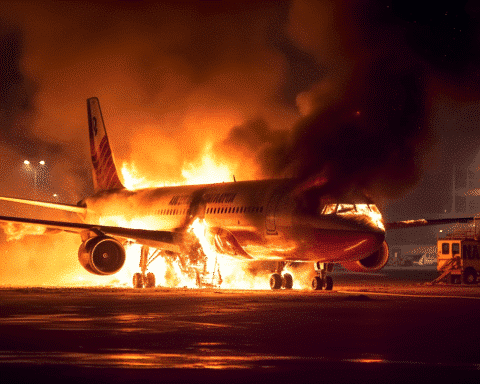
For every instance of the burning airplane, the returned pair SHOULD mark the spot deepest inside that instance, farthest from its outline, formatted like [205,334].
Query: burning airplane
[194,227]
[280,220]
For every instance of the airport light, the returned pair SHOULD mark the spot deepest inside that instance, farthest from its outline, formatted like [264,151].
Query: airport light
[33,169]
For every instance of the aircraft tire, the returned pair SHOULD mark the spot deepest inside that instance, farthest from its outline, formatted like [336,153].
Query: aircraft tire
[137,280]
[275,281]
[328,283]
[470,276]
[150,280]
[287,281]
[317,283]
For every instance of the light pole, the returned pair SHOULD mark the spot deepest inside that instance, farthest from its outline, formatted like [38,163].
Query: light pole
[34,169]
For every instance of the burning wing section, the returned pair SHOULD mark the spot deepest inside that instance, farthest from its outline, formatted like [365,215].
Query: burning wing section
[101,252]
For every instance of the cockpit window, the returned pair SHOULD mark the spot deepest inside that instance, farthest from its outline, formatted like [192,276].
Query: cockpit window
[345,208]
[329,209]
[358,209]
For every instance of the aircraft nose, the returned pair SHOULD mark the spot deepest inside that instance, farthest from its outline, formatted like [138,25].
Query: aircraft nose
[355,223]
[340,238]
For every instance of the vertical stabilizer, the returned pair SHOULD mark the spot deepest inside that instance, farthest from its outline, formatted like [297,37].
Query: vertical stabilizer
[105,175]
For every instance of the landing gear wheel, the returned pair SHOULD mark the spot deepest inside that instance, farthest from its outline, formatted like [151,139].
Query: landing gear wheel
[150,280]
[317,283]
[275,281]
[328,283]
[137,280]
[470,276]
[287,281]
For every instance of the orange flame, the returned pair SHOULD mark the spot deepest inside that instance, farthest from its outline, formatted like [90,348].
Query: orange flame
[206,170]
[16,231]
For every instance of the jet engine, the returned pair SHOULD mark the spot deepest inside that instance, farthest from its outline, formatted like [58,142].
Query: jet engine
[101,255]
[372,263]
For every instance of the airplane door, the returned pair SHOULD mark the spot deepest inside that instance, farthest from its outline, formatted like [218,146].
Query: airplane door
[270,212]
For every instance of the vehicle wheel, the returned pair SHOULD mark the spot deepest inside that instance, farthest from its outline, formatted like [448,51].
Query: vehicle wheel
[470,276]
[328,283]
[275,281]
[150,283]
[287,281]
[454,279]
[137,280]
[317,283]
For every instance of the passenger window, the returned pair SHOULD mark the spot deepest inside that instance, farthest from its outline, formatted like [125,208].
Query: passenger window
[445,248]
[455,248]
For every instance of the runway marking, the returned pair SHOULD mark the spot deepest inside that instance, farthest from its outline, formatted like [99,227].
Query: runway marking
[410,295]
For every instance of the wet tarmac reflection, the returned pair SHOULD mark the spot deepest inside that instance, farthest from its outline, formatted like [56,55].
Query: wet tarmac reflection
[181,335]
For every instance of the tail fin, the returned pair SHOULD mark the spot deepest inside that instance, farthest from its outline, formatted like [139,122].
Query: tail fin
[105,175]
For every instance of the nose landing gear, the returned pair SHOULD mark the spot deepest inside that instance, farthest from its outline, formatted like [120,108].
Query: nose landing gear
[322,281]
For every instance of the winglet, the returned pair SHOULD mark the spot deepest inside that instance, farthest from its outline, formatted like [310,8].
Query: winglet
[105,176]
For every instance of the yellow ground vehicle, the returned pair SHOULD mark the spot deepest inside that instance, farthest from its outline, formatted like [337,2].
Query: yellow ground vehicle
[458,259]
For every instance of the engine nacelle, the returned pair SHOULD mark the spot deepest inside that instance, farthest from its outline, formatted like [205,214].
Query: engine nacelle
[102,255]
[372,263]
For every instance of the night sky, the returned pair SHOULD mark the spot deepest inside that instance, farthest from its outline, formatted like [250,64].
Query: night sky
[377,95]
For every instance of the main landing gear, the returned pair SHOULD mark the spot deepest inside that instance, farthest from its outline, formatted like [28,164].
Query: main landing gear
[322,281]
[143,279]
[319,282]
[277,280]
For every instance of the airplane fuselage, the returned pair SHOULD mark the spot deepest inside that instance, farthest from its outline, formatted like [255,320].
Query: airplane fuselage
[251,219]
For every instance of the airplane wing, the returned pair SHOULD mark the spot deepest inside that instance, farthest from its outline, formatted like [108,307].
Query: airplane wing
[424,222]
[159,239]
[60,206]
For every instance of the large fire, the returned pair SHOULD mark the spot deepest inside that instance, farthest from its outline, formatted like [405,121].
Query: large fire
[206,170]
[214,269]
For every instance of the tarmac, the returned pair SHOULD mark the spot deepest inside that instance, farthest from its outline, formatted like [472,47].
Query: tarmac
[383,327]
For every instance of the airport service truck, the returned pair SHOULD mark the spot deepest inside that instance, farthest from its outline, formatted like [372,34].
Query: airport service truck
[458,258]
